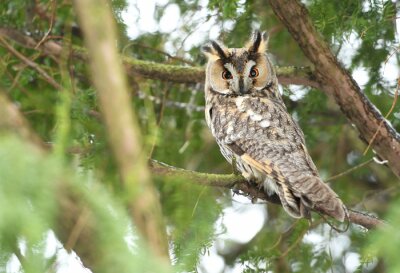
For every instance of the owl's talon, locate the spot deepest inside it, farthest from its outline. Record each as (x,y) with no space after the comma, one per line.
(235,189)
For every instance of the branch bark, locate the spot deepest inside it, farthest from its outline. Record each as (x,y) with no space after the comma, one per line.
(336,82)
(173,73)
(124,137)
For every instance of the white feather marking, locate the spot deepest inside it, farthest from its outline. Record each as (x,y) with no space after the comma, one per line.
(265,123)
(254,116)
(239,103)
(230,129)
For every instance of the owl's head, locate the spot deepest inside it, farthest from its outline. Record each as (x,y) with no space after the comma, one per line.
(240,71)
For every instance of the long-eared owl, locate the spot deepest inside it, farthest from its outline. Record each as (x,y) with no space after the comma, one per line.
(254,131)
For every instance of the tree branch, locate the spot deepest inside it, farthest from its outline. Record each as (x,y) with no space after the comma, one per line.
(173,73)
(124,137)
(336,82)
(239,184)
(30,63)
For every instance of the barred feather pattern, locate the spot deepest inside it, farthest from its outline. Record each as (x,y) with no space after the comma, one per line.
(254,131)
(269,149)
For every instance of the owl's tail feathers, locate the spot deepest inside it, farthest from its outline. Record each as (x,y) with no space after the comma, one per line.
(318,196)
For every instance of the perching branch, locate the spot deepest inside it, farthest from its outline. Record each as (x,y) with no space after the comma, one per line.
(336,82)
(239,184)
(121,125)
(174,73)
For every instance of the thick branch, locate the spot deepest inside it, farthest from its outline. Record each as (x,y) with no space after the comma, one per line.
(124,137)
(174,73)
(335,81)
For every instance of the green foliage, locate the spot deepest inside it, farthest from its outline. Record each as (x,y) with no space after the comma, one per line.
(27,201)
(385,242)
(28,208)
(372,21)
(174,130)
(192,211)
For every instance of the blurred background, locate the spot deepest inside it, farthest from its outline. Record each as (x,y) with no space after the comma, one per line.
(211,230)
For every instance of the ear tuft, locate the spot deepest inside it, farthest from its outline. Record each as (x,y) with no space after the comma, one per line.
(206,49)
(258,43)
(215,51)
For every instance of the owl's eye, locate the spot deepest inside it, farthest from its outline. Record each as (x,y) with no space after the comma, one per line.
(226,75)
(253,72)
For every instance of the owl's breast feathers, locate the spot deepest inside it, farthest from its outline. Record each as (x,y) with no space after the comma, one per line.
(269,146)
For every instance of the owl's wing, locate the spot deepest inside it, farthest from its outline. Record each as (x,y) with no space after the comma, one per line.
(278,151)
(301,194)
(288,200)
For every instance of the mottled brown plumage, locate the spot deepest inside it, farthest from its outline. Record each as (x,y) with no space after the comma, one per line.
(249,120)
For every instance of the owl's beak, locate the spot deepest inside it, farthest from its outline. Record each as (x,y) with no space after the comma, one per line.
(242,87)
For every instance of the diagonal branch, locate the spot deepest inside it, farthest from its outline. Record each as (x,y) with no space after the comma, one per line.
(336,82)
(174,73)
(30,63)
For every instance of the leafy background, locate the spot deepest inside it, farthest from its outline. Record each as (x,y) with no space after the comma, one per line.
(200,220)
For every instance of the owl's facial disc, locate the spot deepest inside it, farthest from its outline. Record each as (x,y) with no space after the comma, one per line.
(239,71)
(241,80)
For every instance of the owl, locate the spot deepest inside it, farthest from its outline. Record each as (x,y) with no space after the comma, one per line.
(250,122)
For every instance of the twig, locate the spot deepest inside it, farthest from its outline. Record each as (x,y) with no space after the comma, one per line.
(170,103)
(349,170)
(53,14)
(396,94)
(30,63)
(158,51)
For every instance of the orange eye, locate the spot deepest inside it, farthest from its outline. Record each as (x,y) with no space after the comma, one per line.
(253,72)
(226,75)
